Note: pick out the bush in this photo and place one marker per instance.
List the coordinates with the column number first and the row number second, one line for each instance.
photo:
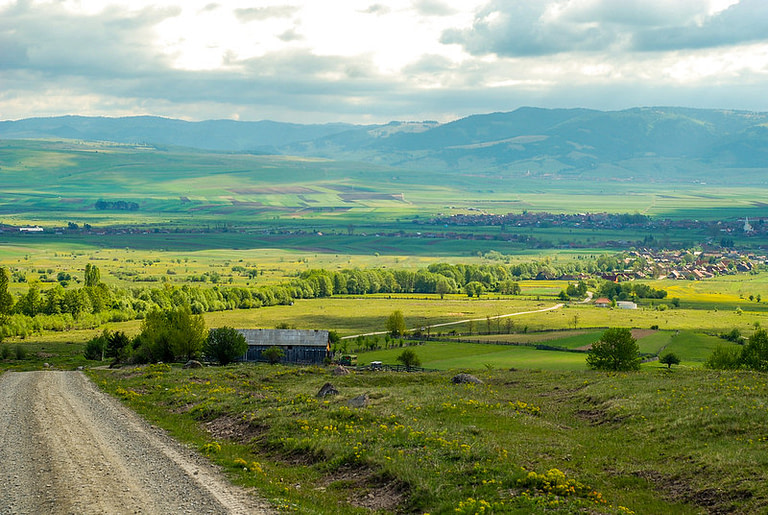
column 95, row 347
column 409, row 358
column 724, row 358
column 273, row 355
column 225, row 344
column 754, row 355
column 616, row 350
column 21, row 352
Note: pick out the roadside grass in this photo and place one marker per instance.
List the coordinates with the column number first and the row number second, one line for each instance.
column 60, row 353
column 655, row 441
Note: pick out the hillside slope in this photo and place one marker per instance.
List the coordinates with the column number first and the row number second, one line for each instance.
column 648, row 144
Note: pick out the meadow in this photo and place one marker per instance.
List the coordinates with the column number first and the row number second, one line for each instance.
column 52, row 183
column 655, row 441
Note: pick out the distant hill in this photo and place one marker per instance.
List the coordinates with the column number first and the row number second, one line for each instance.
column 219, row 135
column 563, row 140
column 654, row 143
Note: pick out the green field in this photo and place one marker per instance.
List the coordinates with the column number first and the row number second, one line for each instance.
column 457, row 356
column 655, row 441
column 358, row 207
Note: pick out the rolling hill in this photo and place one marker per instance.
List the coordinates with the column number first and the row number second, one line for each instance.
column 655, row 143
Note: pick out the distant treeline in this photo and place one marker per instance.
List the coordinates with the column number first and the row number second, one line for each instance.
column 95, row 303
column 117, row 205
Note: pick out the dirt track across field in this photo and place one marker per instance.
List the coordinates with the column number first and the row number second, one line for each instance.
column 68, row 448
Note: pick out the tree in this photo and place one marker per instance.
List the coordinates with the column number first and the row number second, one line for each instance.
column 273, row 355
column 616, row 350
column 171, row 334
column 442, row 286
column 396, row 324
column 225, row 344
column 669, row 359
column 409, row 358
column 474, row 288
column 754, row 355
column 94, row 348
column 92, row 275
column 6, row 300
column 117, row 345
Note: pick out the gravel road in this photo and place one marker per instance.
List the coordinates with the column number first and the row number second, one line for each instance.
column 68, row 448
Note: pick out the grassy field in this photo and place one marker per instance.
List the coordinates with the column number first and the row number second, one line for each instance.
column 692, row 348
column 51, row 183
column 685, row 441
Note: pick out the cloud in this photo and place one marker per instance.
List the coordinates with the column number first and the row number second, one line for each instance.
column 528, row 28
column 433, row 8
column 376, row 9
column 114, row 43
column 290, row 35
column 550, row 53
column 744, row 22
column 265, row 13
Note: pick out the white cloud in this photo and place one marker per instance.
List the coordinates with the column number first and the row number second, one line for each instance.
column 354, row 61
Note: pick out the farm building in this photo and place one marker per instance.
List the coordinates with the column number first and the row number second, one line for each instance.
column 602, row 302
column 299, row 345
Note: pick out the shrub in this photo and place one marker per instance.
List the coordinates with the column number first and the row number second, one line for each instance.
column 616, row 350
column 95, row 347
column 225, row 344
column 724, row 358
column 754, row 355
column 273, row 355
column 21, row 352
column 409, row 358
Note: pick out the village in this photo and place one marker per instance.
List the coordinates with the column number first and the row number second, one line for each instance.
column 685, row 265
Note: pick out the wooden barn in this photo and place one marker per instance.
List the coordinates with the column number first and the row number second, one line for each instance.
column 299, row 345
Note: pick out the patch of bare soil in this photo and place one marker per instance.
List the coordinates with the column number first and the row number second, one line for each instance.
column 230, row 428
column 642, row 333
column 715, row 501
column 595, row 417
column 367, row 489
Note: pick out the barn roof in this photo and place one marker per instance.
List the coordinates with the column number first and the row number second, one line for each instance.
column 284, row 337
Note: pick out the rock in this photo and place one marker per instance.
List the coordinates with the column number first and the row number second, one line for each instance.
column 81, row 368
column 327, row 389
column 465, row 378
column 361, row 401
column 46, row 365
column 340, row 371
column 192, row 363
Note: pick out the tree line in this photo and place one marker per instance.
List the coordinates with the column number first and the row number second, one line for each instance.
column 95, row 303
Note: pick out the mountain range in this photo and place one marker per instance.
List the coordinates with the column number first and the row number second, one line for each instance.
column 531, row 140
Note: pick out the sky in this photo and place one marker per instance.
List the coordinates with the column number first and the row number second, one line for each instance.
column 373, row 61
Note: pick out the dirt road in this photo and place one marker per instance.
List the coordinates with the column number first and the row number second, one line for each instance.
column 65, row 447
